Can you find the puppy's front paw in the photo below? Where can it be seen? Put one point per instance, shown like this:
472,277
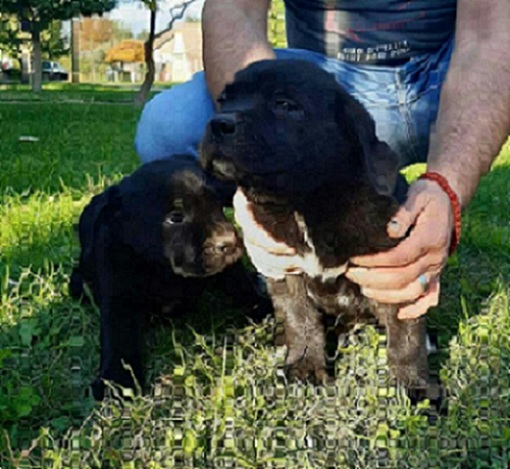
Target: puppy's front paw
418,383
306,368
410,375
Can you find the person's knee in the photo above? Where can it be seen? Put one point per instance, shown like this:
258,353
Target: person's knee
163,129
174,120
150,129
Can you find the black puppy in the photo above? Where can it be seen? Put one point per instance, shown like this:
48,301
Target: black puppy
306,155
147,245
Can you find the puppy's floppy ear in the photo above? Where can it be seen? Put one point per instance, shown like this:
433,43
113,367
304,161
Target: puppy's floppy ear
381,163
201,184
189,182
95,217
139,223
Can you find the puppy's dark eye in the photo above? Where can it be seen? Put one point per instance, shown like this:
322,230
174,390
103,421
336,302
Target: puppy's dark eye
284,104
175,216
287,107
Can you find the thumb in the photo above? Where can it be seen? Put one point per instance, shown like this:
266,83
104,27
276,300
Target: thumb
407,213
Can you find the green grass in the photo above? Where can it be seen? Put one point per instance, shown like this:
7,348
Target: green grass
70,92
220,397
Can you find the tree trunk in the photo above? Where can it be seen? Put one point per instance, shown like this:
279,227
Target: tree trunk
145,89
26,66
37,58
75,50
21,68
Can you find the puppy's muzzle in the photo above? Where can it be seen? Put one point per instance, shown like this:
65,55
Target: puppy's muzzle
221,249
225,244
225,125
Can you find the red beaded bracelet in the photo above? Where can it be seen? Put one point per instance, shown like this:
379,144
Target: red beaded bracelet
454,200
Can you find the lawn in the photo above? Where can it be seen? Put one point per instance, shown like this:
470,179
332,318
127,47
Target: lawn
70,92
220,399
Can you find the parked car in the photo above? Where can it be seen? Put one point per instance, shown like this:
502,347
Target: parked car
53,71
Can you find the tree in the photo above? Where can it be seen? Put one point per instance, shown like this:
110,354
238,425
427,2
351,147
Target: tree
128,51
36,15
95,37
143,35
95,32
10,37
120,32
52,42
176,13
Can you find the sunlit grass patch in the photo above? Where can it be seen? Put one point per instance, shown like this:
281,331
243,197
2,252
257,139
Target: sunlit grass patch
219,397
224,398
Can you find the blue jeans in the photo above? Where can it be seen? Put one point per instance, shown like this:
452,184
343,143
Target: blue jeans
403,100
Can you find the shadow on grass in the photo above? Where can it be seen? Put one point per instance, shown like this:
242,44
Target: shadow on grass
48,354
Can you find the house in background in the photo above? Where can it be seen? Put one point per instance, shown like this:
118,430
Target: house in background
178,52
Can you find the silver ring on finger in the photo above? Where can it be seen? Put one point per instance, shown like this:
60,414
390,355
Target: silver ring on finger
424,283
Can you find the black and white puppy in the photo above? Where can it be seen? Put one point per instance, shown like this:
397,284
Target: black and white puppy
306,156
148,245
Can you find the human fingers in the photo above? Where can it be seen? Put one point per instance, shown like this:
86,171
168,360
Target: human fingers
422,304
394,278
406,214
410,293
430,211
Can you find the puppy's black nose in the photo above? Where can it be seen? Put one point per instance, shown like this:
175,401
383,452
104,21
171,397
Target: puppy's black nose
224,124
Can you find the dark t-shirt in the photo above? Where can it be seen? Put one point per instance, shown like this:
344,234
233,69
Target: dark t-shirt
370,31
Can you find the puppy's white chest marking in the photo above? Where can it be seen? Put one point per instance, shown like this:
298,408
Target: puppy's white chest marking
310,262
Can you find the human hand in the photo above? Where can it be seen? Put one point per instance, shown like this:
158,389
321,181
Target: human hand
271,258
408,275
